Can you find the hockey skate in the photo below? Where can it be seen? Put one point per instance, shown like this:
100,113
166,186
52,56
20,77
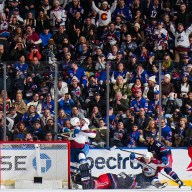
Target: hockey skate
161,185
86,178
180,183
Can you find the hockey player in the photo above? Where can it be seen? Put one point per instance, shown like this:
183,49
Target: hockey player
163,154
112,181
150,169
78,140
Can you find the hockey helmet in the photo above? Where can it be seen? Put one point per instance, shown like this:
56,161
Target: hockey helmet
75,121
148,155
86,121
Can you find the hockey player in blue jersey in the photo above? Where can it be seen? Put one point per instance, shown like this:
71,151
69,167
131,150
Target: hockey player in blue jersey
162,153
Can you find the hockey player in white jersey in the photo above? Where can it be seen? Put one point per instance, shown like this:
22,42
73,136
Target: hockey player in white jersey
150,169
79,150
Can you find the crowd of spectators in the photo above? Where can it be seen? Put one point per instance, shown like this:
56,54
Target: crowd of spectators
132,37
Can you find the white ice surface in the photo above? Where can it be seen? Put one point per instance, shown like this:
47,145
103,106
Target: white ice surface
168,189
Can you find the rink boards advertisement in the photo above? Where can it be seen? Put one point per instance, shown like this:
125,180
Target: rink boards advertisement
117,161
21,164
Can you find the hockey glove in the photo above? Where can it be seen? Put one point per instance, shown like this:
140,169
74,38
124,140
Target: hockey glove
164,160
132,156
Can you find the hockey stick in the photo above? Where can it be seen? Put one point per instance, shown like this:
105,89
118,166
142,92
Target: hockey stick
147,164
129,151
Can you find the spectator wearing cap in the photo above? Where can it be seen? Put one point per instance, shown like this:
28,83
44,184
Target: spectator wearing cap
104,15
122,11
159,36
150,90
167,86
78,72
132,63
150,61
30,117
185,61
45,36
121,86
98,101
129,46
62,89
189,71
76,90
57,16
101,63
181,39
138,34
34,53
48,103
16,13
138,102
119,104
171,104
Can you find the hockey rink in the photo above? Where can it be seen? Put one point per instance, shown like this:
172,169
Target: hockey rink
168,189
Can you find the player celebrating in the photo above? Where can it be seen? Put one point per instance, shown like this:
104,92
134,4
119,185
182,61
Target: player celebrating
150,169
163,154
